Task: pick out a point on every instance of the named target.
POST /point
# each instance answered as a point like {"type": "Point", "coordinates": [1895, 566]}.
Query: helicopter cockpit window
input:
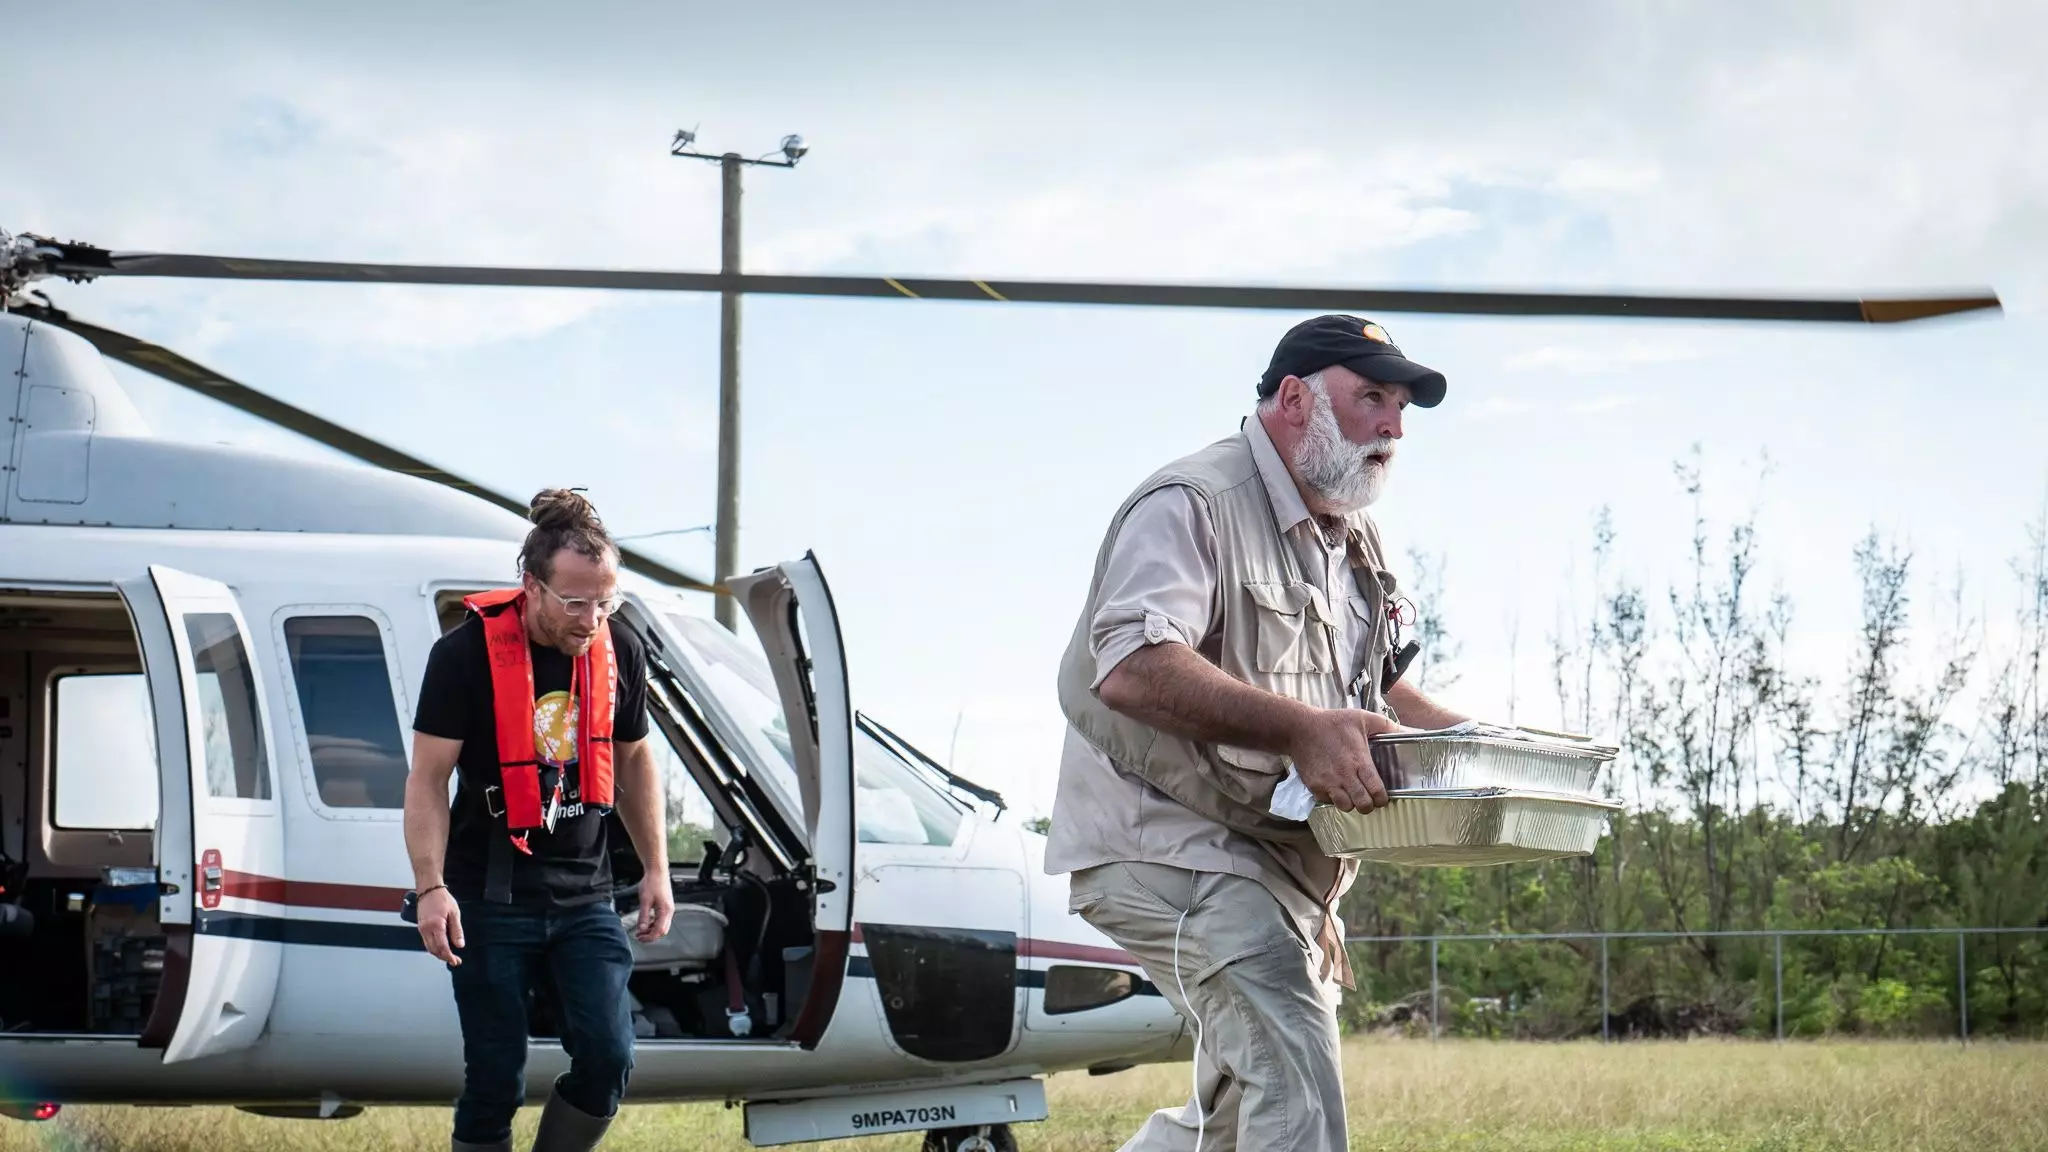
{"type": "Point", "coordinates": [104, 748]}
{"type": "Point", "coordinates": [894, 803]}
{"type": "Point", "coordinates": [345, 700]}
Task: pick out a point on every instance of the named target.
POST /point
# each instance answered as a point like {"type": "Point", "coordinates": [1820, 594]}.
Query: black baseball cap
{"type": "Point", "coordinates": [1357, 344]}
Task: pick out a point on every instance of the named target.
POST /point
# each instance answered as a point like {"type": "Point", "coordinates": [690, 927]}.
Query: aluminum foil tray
{"type": "Point", "coordinates": [1484, 756]}
{"type": "Point", "coordinates": [1465, 827]}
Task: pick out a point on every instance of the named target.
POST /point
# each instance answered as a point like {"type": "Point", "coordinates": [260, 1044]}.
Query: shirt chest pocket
{"type": "Point", "coordinates": [1364, 623]}
{"type": "Point", "coordinates": [1292, 620]}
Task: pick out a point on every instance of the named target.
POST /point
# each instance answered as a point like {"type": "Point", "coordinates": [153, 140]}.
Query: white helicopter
{"type": "Point", "coordinates": [208, 658]}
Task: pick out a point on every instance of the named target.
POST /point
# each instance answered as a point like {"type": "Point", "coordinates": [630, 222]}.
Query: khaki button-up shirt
{"type": "Point", "coordinates": [1160, 586]}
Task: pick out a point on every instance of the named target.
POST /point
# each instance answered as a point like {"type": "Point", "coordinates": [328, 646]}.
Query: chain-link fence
{"type": "Point", "coordinates": [1555, 985]}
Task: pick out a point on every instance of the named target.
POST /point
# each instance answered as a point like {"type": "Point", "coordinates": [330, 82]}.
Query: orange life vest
{"type": "Point", "coordinates": [512, 707]}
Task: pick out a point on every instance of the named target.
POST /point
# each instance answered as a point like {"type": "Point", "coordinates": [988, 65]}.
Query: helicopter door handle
{"type": "Point", "coordinates": [212, 874]}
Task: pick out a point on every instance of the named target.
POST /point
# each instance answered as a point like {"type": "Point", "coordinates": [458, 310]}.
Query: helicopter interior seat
{"type": "Point", "coordinates": [695, 939]}
{"type": "Point", "coordinates": [733, 963]}
{"type": "Point", "coordinates": [346, 793]}
{"type": "Point", "coordinates": [701, 926]}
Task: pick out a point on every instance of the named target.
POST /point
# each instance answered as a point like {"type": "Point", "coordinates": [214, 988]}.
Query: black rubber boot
{"type": "Point", "coordinates": [566, 1128]}
{"type": "Point", "coordinates": [455, 1145]}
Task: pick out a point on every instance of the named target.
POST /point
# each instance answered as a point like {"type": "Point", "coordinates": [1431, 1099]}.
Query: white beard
{"type": "Point", "coordinates": [1336, 467]}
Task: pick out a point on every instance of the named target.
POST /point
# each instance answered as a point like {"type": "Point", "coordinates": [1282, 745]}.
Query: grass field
{"type": "Point", "coordinates": [1472, 1096]}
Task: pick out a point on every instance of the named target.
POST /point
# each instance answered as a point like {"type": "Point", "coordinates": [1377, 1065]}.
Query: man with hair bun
{"type": "Point", "coordinates": [537, 704]}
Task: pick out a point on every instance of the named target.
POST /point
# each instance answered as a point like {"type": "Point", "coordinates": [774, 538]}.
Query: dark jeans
{"type": "Point", "coordinates": [588, 955]}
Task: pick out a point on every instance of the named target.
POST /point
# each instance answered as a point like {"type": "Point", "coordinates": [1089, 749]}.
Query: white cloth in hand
{"type": "Point", "coordinates": [1291, 798]}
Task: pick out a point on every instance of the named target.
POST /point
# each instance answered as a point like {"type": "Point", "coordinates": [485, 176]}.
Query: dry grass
{"type": "Point", "coordinates": [1472, 1096]}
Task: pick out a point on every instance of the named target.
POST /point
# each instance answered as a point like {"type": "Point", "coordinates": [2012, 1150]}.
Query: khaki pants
{"type": "Point", "coordinates": [1267, 1064]}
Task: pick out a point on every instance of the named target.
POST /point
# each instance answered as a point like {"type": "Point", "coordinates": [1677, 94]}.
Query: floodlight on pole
{"type": "Point", "coordinates": [726, 547]}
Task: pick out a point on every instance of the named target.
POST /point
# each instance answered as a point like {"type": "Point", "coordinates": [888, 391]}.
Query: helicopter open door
{"type": "Point", "coordinates": [219, 823]}
{"type": "Point", "coordinates": [791, 609]}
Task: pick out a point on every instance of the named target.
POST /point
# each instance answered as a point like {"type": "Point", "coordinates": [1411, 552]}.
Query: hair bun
{"type": "Point", "coordinates": [562, 508]}
{"type": "Point", "coordinates": [563, 518]}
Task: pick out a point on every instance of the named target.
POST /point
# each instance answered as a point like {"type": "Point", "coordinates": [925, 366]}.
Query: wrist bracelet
{"type": "Point", "coordinates": [423, 893]}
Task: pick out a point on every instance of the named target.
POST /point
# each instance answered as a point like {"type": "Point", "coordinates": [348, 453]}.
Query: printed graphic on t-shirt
{"type": "Point", "coordinates": [554, 728]}
{"type": "Point", "coordinates": [554, 741]}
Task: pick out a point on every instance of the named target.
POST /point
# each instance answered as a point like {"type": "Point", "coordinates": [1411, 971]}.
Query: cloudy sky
{"type": "Point", "coordinates": [953, 464]}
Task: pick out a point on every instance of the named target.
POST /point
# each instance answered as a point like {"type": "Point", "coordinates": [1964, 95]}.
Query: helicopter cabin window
{"type": "Point", "coordinates": [104, 751]}
{"type": "Point", "coordinates": [230, 736]}
{"type": "Point", "coordinates": [343, 687]}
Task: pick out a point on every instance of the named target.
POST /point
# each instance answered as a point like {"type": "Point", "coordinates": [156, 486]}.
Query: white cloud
{"type": "Point", "coordinates": [1601, 175]}
{"type": "Point", "coordinates": [1339, 214]}
{"type": "Point", "coordinates": [374, 320]}
{"type": "Point", "coordinates": [1602, 359]}
{"type": "Point", "coordinates": [1245, 215]}
{"type": "Point", "coordinates": [1599, 404]}
{"type": "Point", "coordinates": [1493, 407]}
{"type": "Point", "coordinates": [1882, 153]}
{"type": "Point", "coordinates": [254, 159]}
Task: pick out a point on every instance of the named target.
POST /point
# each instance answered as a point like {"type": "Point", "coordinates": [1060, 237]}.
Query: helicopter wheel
{"type": "Point", "coordinates": [980, 1138]}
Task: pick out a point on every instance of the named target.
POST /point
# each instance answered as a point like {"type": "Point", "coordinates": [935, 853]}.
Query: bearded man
{"type": "Point", "coordinates": [1237, 632]}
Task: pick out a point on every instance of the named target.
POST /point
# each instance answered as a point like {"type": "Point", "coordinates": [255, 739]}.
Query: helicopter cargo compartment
{"type": "Point", "coordinates": [79, 934]}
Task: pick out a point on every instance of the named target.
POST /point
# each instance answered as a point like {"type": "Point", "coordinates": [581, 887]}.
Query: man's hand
{"type": "Point", "coordinates": [1334, 760]}
{"type": "Point", "coordinates": [657, 907]}
{"type": "Point", "coordinates": [640, 810]}
{"type": "Point", "coordinates": [426, 841]}
{"type": "Point", "coordinates": [441, 926]}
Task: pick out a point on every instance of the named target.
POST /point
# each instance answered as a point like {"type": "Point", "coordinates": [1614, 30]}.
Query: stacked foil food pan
{"type": "Point", "coordinates": [1475, 795]}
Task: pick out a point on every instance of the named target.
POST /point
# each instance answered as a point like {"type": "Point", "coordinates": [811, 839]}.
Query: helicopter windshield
{"type": "Point", "coordinates": [895, 803]}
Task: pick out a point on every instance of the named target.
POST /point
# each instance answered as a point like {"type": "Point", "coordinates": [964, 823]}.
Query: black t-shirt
{"type": "Point", "coordinates": [572, 864]}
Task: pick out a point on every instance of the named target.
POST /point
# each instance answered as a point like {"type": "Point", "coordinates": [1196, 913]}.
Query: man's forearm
{"type": "Point", "coordinates": [642, 810]}
{"type": "Point", "coordinates": [1419, 711]}
{"type": "Point", "coordinates": [426, 831]}
{"type": "Point", "coordinates": [1171, 687]}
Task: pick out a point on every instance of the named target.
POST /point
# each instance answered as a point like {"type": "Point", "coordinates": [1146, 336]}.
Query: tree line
{"type": "Point", "coordinates": [1909, 788]}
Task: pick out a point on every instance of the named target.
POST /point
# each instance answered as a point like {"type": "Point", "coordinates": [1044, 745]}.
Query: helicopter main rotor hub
{"type": "Point", "coordinates": [24, 259]}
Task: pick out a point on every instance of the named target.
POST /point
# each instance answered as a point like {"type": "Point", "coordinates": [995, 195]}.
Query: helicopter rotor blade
{"type": "Point", "coordinates": [83, 262]}
{"type": "Point", "coordinates": [162, 362]}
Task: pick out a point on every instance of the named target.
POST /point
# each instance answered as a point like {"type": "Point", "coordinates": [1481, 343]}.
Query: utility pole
{"type": "Point", "coordinates": [725, 560]}
{"type": "Point", "coordinates": [726, 556]}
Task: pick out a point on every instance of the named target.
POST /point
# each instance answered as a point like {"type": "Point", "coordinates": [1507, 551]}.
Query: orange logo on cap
{"type": "Point", "coordinates": [1375, 332]}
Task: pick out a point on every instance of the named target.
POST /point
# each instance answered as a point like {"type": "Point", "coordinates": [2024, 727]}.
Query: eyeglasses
{"type": "Point", "coordinates": [578, 605]}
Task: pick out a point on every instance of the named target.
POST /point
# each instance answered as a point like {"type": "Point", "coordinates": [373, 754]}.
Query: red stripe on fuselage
{"type": "Point", "coordinates": [311, 894]}
{"type": "Point", "coordinates": [1060, 950]}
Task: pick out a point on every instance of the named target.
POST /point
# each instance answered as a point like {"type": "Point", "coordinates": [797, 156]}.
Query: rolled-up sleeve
{"type": "Point", "coordinates": [1159, 585]}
